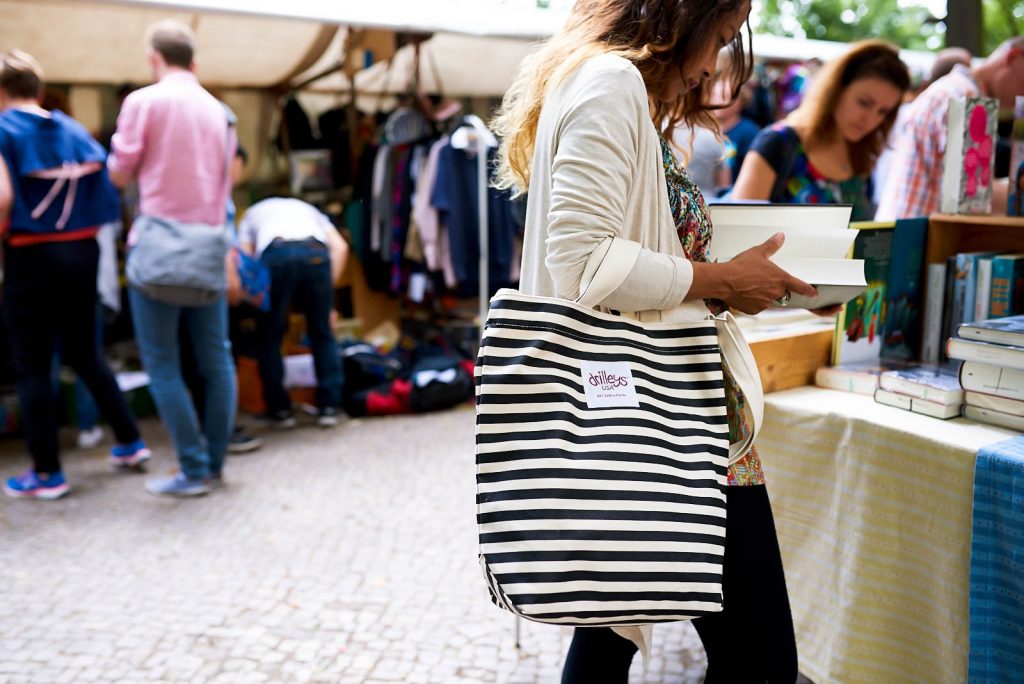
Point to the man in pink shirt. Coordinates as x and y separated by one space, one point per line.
914 181
174 139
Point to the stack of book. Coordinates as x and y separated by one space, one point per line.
930 390
992 373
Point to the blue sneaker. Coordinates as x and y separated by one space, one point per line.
28 485
132 455
177 485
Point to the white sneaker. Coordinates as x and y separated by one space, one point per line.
90 439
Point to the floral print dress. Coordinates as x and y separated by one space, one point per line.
693 224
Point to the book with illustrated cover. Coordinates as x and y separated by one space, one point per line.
970 155
1015 407
1007 295
997 418
938 384
884 323
901 327
994 380
917 405
1002 355
859 327
1009 330
816 250
859 378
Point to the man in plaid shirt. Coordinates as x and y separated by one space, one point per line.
915 179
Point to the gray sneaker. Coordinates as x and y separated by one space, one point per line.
177 485
328 417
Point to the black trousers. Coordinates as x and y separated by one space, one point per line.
751 640
50 295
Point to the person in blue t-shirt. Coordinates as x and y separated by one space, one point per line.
54 196
738 130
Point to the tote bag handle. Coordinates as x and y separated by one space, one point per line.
616 259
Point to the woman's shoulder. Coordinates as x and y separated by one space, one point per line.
773 142
607 74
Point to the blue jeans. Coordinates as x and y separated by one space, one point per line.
300 272
201 448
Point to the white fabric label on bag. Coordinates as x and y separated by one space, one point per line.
609 385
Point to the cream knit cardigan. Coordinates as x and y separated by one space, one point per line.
597 175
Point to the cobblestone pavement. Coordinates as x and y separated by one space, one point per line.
343 555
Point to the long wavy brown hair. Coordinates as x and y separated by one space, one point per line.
814 116
660 37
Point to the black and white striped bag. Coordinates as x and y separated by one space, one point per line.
602 449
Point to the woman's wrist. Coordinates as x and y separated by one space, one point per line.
711 281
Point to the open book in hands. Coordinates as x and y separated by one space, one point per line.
817 248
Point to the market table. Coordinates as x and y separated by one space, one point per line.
873 510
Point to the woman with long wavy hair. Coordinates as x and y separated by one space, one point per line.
824 151
586 127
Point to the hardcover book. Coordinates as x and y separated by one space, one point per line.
997 418
1002 355
1015 407
818 240
917 405
938 384
932 342
859 378
1007 296
994 380
970 155
1008 330
885 322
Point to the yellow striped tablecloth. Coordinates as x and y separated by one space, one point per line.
873 510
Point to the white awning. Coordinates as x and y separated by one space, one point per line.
259 43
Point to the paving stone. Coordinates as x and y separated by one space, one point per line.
344 556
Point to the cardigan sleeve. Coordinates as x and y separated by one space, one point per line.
593 169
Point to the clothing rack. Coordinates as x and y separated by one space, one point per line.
482 134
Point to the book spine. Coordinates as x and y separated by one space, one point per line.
932 343
982 352
1001 295
831 377
953 161
1017 288
934 410
1014 407
988 379
958 302
970 289
947 306
983 289
893 399
997 418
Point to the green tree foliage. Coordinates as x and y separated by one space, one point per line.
907 23
1002 19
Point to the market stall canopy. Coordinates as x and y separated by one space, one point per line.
477 46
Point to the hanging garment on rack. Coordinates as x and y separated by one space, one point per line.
436 251
295 132
375 270
336 137
455 196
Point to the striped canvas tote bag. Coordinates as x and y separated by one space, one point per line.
602 450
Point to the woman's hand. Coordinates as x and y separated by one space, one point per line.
756 281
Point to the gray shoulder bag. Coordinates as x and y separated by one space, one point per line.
180 263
